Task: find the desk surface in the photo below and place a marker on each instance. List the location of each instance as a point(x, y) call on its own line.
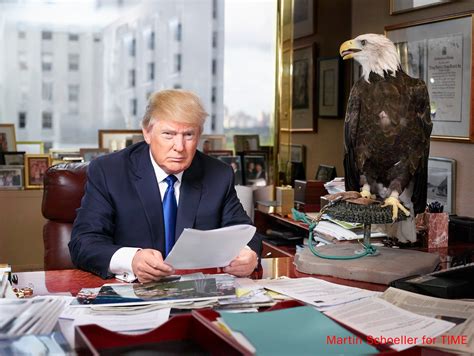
point(71, 281)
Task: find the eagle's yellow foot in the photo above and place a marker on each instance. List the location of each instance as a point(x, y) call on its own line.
point(365, 194)
point(395, 203)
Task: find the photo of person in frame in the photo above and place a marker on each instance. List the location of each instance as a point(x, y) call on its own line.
point(236, 164)
point(3, 142)
point(255, 171)
point(37, 170)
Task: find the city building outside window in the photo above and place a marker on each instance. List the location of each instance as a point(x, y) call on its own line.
point(179, 30)
point(73, 92)
point(73, 37)
point(47, 91)
point(151, 71)
point(132, 47)
point(46, 35)
point(151, 40)
point(21, 34)
point(177, 62)
point(133, 107)
point(131, 78)
point(22, 61)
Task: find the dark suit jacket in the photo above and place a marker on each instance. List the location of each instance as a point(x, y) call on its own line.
point(122, 206)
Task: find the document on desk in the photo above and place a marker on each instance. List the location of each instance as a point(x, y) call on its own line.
point(384, 323)
point(209, 248)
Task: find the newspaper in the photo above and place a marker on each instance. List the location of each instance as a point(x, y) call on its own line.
point(458, 339)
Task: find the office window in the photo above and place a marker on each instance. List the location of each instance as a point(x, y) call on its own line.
point(177, 62)
point(47, 91)
point(213, 122)
point(131, 78)
point(73, 37)
point(151, 40)
point(132, 47)
point(73, 62)
point(214, 39)
point(22, 119)
point(24, 90)
point(97, 38)
point(151, 71)
point(133, 107)
point(47, 120)
point(179, 30)
point(73, 92)
point(46, 35)
point(214, 67)
point(22, 61)
point(177, 86)
point(47, 61)
point(213, 95)
point(214, 9)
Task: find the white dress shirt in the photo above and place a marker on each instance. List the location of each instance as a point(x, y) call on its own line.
point(121, 261)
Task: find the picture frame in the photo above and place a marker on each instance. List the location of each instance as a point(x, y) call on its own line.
point(303, 107)
point(12, 158)
point(440, 51)
point(236, 163)
point(115, 140)
point(30, 147)
point(294, 153)
point(401, 6)
point(36, 166)
point(220, 153)
point(303, 18)
point(255, 170)
point(7, 138)
point(88, 154)
point(11, 177)
point(442, 182)
point(325, 173)
point(211, 143)
point(330, 87)
point(246, 143)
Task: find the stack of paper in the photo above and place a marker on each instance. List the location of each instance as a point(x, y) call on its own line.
point(335, 186)
point(30, 316)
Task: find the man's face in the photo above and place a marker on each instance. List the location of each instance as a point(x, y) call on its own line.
point(172, 144)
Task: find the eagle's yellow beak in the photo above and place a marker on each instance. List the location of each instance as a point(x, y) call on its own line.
point(348, 49)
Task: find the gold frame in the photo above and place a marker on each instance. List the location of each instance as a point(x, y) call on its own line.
point(396, 12)
point(39, 143)
point(28, 184)
point(102, 133)
point(466, 137)
point(12, 127)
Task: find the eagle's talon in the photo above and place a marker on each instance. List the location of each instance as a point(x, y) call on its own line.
point(395, 203)
point(365, 194)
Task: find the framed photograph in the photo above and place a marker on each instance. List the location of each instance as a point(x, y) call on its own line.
point(303, 115)
point(441, 182)
point(246, 143)
point(255, 170)
point(115, 140)
point(400, 6)
point(330, 87)
point(88, 154)
point(11, 177)
point(303, 18)
point(31, 147)
point(7, 138)
point(236, 163)
point(35, 169)
point(439, 51)
point(220, 153)
point(211, 143)
point(293, 153)
point(325, 173)
point(12, 158)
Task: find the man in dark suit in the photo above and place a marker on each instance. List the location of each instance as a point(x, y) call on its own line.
point(123, 225)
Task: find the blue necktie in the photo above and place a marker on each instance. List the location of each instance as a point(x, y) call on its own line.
point(170, 209)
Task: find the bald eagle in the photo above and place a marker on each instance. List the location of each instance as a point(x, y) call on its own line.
point(387, 131)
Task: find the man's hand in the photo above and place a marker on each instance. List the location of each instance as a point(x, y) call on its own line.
point(244, 264)
point(148, 266)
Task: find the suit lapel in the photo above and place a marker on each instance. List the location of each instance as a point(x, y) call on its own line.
point(149, 193)
point(189, 196)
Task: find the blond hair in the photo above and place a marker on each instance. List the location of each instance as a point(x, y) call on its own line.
point(175, 105)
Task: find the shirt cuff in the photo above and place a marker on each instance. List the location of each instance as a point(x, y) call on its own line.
point(121, 263)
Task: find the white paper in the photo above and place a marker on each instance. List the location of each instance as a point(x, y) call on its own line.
point(317, 292)
point(211, 248)
point(379, 320)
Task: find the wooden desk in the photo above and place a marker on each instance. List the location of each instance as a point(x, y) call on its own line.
point(72, 280)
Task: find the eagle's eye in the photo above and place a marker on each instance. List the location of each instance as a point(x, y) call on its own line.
point(363, 42)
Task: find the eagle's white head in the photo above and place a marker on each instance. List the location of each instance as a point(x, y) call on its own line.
point(375, 53)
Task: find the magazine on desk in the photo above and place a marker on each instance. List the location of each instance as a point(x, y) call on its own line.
point(159, 292)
